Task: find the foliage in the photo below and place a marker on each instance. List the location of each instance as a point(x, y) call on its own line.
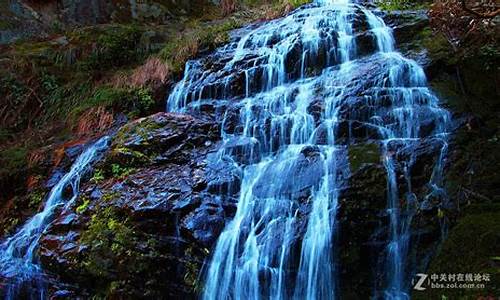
point(120, 172)
point(98, 176)
point(10, 224)
point(107, 236)
point(43, 82)
point(461, 28)
point(109, 196)
point(117, 46)
point(200, 37)
point(13, 158)
point(153, 71)
point(297, 3)
point(36, 198)
point(115, 252)
point(489, 57)
point(390, 5)
point(12, 91)
point(81, 208)
point(135, 101)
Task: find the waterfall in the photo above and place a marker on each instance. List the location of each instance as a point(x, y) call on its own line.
point(19, 264)
point(280, 243)
point(406, 84)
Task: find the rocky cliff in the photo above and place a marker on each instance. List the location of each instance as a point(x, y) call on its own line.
point(148, 216)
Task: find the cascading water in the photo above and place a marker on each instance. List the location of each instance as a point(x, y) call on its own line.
point(255, 244)
point(412, 102)
point(303, 78)
point(19, 264)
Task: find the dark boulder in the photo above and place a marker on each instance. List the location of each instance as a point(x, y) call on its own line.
point(153, 202)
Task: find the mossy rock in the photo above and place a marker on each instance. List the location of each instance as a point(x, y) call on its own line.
point(472, 247)
point(360, 154)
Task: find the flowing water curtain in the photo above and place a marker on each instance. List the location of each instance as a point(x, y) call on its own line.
point(411, 102)
point(254, 246)
point(294, 165)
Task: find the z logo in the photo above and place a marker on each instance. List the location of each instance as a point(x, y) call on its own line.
point(418, 286)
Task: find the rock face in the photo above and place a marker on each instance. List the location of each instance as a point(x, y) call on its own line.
point(369, 111)
point(150, 215)
point(147, 204)
point(25, 19)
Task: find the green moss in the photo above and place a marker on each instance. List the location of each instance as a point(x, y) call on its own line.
point(477, 92)
point(140, 132)
point(36, 198)
point(391, 5)
point(83, 207)
point(438, 46)
point(360, 154)
point(116, 252)
point(470, 248)
point(142, 129)
point(120, 171)
point(446, 87)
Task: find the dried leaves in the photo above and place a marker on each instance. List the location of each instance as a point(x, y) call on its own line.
point(464, 22)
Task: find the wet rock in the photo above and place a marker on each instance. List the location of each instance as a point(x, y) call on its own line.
point(299, 173)
point(244, 150)
point(406, 24)
point(60, 252)
point(161, 203)
point(54, 178)
point(223, 176)
point(170, 185)
point(366, 43)
point(206, 222)
point(161, 138)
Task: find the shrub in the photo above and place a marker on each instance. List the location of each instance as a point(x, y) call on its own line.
point(120, 172)
point(134, 101)
point(83, 207)
point(116, 46)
